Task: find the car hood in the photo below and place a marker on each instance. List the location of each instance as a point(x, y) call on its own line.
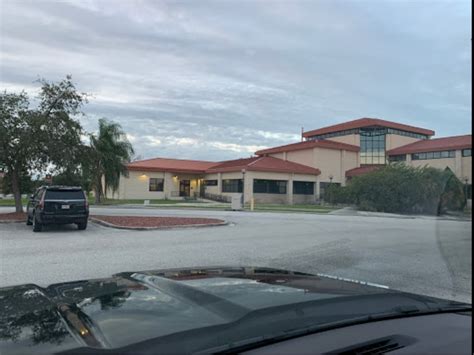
point(134, 307)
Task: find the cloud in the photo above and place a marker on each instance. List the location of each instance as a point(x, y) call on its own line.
point(214, 80)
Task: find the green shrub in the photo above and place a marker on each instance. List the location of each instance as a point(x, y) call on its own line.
point(397, 188)
point(336, 194)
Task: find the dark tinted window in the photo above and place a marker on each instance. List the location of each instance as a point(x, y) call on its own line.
point(269, 186)
point(156, 184)
point(401, 157)
point(64, 195)
point(303, 187)
point(232, 185)
point(434, 155)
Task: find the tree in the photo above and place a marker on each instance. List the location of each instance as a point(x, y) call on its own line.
point(110, 152)
point(35, 138)
point(26, 184)
point(78, 174)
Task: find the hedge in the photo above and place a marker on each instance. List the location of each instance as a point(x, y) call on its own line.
point(397, 188)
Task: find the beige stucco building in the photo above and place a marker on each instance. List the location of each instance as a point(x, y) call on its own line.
point(300, 172)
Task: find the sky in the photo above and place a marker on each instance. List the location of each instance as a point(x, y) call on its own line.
point(218, 80)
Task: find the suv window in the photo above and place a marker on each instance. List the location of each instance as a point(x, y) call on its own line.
point(38, 194)
point(64, 195)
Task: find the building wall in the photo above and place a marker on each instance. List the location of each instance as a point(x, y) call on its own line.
point(334, 163)
point(281, 155)
point(214, 190)
point(466, 170)
point(393, 141)
point(136, 185)
point(460, 166)
point(305, 156)
point(329, 161)
point(288, 198)
point(304, 199)
point(353, 139)
point(436, 163)
point(230, 176)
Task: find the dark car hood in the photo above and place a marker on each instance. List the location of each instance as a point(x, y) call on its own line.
point(133, 307)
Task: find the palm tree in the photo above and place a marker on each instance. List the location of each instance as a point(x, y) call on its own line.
point(110, 152)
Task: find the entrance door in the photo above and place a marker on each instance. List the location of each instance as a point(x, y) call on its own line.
point(185, 188)
point(202, 189)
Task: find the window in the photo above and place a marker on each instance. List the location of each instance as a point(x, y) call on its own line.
point(303, 188)
point(372, 145)
point(334, 134)
point(466, 152)
point(210, 182)
point(232, 185)
point(434, 155)
point(406, 134)
point(395, 158)
point(65, 195)
point(269, 186)
point(156, 184)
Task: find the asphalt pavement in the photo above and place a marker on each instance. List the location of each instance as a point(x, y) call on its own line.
point(422, 255)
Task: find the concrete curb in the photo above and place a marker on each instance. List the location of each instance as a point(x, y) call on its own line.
point(111, 225)
point(14, 221)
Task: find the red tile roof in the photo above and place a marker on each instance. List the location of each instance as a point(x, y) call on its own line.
point(327, 144)
point(434, 145)
point(362, 170)
point(172, 165)
point(367, 122)
point(268, 164)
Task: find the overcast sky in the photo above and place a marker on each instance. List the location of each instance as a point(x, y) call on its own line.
point(218, 80)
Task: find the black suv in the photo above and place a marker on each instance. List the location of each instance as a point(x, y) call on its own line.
point(57, 205)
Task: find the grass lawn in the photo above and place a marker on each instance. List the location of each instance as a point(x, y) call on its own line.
point(200, 205)
point(293, 208)
point(11, 202)
point(140, 202)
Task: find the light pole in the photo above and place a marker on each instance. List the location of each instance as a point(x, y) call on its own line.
point(243, 188)
point(466, 180)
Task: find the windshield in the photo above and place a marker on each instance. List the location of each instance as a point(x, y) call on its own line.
point(234, 156)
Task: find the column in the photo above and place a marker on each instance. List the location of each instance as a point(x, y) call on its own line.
point(343, 168)
point(219, 183)
point(289, 189)
point(458, 165)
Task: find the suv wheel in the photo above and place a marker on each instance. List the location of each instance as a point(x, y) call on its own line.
point(37, 226)
point(82, 225)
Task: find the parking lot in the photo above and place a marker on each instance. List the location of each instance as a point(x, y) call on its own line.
point(422, 255)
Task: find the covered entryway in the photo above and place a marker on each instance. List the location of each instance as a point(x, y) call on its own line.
point(185, 188)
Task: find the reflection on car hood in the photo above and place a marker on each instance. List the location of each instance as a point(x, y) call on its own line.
point(133, 307)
